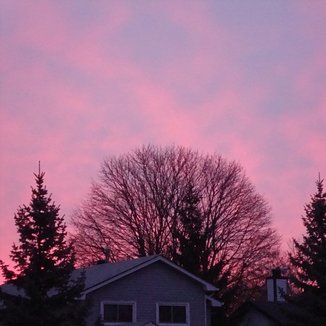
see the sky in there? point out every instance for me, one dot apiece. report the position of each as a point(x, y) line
point(83, 80)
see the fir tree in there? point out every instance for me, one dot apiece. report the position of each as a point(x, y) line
point(44, 262)
point(189, 233)
point(192, 252)
point(309, 260)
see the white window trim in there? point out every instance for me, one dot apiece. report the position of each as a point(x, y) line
point(182, 304)
point(132, 303)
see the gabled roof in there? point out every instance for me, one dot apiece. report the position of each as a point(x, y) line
point(12, 290)
point(275, 312)
point(98, 276)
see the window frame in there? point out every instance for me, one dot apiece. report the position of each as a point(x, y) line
point(117, 303)
point(173, 304)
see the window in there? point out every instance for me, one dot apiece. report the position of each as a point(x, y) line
point(173, 313)
point(118, 312)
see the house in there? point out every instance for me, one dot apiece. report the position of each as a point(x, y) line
point(261, 313)
point(148, 291)
point(271, 311)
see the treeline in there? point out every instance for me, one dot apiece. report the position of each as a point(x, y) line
point(200, 211)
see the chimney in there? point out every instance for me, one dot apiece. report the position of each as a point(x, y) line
point(277, 286)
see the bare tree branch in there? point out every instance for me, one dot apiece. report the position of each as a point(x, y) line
point(133, 208)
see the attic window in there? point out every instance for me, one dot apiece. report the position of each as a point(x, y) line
point(172, 313)
point(118, 312)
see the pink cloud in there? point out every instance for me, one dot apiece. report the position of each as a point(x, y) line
point(77, 95)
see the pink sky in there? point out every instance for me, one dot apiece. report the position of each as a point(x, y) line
point(83, 80)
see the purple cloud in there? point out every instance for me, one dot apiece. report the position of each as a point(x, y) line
point(82, 81)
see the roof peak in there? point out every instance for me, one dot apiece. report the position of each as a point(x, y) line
point(100, 275)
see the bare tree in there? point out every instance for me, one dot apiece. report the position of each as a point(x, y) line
point(134, 210)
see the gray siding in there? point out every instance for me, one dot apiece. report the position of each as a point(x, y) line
point(155, 283)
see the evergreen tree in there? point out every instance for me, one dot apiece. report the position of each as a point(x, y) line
point(309, 260)
point(192, 252)
point(44, 263)
point(188, 232)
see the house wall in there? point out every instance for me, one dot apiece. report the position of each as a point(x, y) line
point(155, 283)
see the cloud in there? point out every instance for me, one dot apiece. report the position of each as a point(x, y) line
point(83, 81)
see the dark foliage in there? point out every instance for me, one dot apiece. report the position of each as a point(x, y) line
point(188, 234)
point(309, 260)
point(44, 262)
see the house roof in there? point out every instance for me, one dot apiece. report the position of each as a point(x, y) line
point(276, 312)
point(12, 290)
point(98, 276)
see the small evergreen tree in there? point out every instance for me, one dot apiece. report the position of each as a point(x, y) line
point(44, 262)
point(309, 260)
point(189, 234)
point(191, 251)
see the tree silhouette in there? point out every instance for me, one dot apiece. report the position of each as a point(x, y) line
point(188, 231)
point(40, 290)
point(309, 260)
point(199, 210)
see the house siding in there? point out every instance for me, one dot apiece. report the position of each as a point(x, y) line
point(155, 283)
